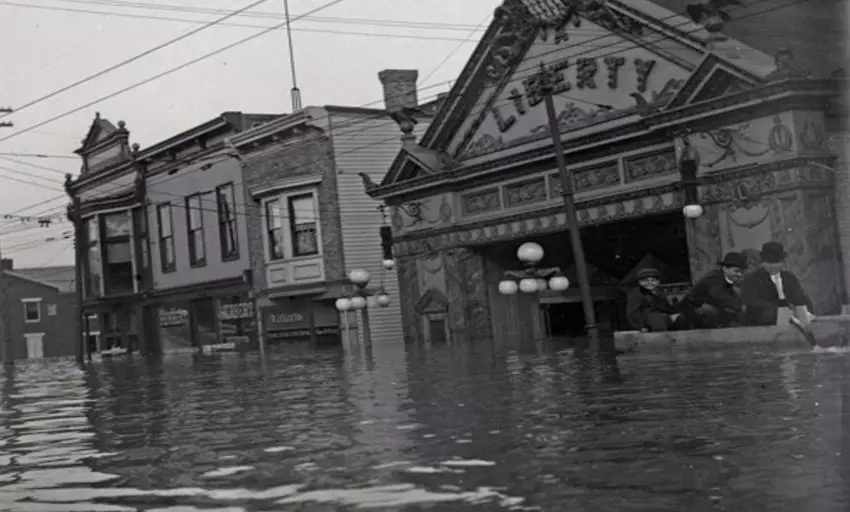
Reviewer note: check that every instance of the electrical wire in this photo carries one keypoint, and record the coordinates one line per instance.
(561, 48)
(134, 58)
(163, 74)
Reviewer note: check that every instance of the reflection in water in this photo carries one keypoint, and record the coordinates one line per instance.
(459, 429)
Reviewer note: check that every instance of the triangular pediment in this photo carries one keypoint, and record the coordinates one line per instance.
(615, 62)
(713, 79)
(607, 67)
(100, 130)
(433, 301)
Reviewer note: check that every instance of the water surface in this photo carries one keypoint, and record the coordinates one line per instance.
(464, 429)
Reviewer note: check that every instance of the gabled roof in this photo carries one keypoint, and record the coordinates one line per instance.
(62, 278)
(814, 30)
(501, 66)
(100, 129)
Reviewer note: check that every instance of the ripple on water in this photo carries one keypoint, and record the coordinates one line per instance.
(463, 430)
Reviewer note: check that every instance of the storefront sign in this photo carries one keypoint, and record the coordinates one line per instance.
(238, 311)
(287, 318)
(302, 334)
(569, 74)
(173, 317)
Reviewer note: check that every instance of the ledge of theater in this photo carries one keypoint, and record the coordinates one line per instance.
(445, 237)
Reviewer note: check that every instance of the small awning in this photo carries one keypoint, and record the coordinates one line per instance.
(296, 292)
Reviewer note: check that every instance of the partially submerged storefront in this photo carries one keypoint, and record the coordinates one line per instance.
(636, 83)
(222, 318)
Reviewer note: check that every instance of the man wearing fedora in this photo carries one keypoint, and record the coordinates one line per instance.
(772, 287)
(714, 301)
(648, 308)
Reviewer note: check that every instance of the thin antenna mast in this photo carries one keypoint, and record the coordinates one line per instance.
(296, 93)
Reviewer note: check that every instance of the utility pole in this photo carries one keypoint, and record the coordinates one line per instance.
(7, 111)
(5, 338)
(547, 89)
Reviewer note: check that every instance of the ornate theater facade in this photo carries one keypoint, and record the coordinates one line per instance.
(635, 84)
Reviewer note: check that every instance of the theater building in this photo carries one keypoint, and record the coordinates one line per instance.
(635, 83)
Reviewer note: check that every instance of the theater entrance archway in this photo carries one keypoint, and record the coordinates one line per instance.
(614, 252)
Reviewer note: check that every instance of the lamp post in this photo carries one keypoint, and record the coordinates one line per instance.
(358, 299)
(546, 85)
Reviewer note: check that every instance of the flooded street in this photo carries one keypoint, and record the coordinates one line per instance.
(448, 429)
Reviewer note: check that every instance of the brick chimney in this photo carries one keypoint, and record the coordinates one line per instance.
(399, 88)
(7, 264)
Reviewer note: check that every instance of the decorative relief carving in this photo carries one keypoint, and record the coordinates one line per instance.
(812, 136)
(421, 213)
(525, 192)
(736, 141)
(642, 167)
(585, 180)
(484, 201)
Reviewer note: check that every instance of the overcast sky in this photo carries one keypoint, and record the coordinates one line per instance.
(49, 44)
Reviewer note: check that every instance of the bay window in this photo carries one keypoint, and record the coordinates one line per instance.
(292, 226)
(195, 230)
(166, 238)
(303, 225)
(227, 234)
(118, 252)
(274, 230)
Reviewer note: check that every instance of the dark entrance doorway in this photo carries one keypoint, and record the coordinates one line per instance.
(613, 252)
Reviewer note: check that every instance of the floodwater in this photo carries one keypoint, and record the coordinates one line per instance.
(444, 429)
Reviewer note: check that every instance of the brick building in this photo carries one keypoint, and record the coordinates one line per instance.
(311, 223)
(636, 81)
(39, 304)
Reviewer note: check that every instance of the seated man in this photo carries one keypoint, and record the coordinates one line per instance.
(714, 301)
(648, 309)
(771, 287)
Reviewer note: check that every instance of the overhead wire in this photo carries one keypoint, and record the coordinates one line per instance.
(134, 58)
(163, 74)
(534, 70)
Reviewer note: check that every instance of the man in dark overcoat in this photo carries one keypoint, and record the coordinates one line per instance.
(648, 308)
(714, 301)
(771, 287)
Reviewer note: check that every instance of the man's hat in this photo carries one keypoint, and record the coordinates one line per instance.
(734, 259)
(648, 272)
(772, 252)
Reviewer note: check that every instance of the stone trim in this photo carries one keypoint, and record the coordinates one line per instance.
(715, 188)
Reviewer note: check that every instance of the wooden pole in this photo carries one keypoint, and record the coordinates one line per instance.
(568, 192)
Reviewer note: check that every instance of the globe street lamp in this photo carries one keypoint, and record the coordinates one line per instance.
(688, 166)
(358, 300)
(531, 279)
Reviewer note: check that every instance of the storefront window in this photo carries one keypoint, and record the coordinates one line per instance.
(290, 321)
(237, 322)
(174, 328)
(204, 322)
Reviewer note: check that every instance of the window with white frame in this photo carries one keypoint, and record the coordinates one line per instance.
(227, 231)
(303, 225)
(274, 230)
(195, 231)
(292, 226)
(166, 237)
(32, 310)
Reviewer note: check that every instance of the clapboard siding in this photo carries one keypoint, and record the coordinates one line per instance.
(367, 145)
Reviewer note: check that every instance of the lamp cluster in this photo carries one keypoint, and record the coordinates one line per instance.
(359, 299)
(531, 279)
